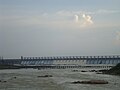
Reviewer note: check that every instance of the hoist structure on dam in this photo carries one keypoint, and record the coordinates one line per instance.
(65, 61)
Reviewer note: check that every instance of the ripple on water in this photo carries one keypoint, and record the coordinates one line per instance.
(26, 79)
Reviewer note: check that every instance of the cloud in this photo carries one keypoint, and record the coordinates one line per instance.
(65, 13)
(83, 20)
(48, 20)
(60, 19)
(87, 19)
(76, 18)
(80, 12)
(118, 36)
(104, 11)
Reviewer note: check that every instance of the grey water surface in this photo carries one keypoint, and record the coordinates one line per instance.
(27, 79)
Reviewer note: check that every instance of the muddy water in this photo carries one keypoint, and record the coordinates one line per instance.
(27, 79)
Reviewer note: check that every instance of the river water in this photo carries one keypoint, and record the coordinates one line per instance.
(27, 79)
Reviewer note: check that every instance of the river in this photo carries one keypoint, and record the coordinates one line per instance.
(27, 79)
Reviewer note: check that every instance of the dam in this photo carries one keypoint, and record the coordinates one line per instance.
(62, 62)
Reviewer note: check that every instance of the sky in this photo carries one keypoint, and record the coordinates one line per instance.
(35, 28)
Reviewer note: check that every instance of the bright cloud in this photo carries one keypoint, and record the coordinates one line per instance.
(76, 18)
(83, 20)
(87, 19)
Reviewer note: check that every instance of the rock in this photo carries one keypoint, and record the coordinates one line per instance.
(4, 81)
(45, 76)
(91, 82)
(93, 71)
(76, 82)
(15, 77)
(104, 70)
(48, 75)
(83, 71)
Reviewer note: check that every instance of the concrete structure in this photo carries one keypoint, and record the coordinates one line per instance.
(65, 61)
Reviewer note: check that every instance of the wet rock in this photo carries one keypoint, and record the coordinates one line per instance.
(45, 76)
(4, 81)
(83, 71)
(76, 82)
(15, 77)
(91, 82)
